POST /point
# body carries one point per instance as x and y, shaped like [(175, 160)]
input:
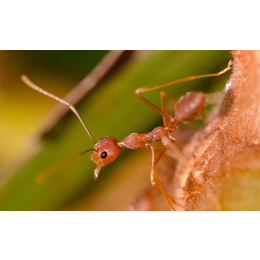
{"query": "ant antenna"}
[(30, 84), (42, 176)]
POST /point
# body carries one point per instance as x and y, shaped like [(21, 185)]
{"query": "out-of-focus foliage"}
[(111, 109)]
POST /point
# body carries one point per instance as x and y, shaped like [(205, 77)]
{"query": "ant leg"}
[(156, 183), (163, 94), (160, 111), (174, 151)]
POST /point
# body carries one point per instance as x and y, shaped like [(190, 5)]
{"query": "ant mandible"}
[(186, 109)]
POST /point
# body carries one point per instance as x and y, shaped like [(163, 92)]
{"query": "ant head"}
[(106, 151)]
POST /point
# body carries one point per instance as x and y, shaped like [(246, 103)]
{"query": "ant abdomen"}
[(189, 106)]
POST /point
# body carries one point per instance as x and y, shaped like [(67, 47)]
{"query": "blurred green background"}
[(110, 109)]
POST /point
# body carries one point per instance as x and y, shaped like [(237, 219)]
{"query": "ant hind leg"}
[(163, 94), (160, 111)]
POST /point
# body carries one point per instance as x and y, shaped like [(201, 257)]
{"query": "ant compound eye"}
[(103, 155)]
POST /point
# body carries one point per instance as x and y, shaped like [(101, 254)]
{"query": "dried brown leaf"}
[(225, 154)]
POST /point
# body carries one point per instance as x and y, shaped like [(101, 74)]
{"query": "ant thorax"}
[(136, 141), (143, 141)]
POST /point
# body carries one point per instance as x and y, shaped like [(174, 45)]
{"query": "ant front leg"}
[(155, 181)]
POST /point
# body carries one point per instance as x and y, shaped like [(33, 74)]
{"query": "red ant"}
[(186, 109)]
